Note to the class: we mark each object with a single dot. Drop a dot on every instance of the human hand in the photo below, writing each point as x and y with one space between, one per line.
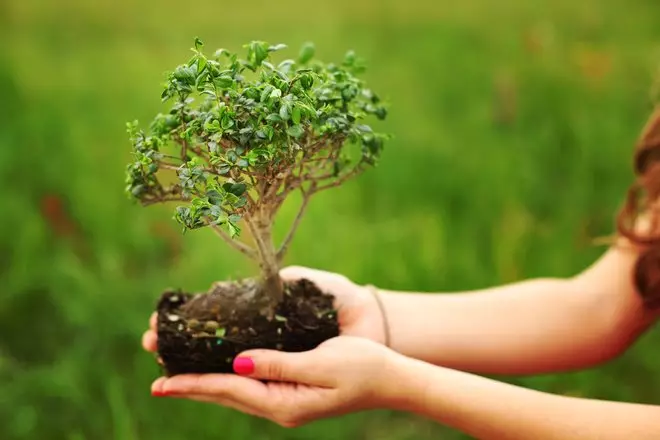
357 308
343 375
358 311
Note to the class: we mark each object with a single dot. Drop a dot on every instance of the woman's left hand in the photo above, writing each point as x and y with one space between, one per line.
342 375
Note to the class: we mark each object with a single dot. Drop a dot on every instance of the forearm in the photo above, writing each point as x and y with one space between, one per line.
487 409
532 327
521 328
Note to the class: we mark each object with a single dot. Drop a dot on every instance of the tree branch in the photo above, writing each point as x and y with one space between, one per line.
241 247
163 200
296 222
169 166
340 180
168 156
184 143
257 237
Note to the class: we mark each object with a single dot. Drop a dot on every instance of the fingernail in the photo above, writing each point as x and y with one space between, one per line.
243 365
158 394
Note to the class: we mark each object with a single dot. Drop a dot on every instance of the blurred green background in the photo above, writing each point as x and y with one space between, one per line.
514 123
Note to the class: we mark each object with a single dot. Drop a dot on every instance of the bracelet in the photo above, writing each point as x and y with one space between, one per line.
386 326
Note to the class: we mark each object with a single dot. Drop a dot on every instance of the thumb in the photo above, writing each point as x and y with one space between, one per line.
304 367
292 273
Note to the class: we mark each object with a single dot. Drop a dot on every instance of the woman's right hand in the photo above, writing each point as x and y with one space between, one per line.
357 308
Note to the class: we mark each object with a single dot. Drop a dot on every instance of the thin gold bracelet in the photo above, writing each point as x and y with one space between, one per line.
386 326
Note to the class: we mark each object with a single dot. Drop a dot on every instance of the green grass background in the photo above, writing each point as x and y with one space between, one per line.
514 123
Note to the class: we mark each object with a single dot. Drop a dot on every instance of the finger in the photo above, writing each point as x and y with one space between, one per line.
292 273
305 367
224 386
245 394
226 402
150 340
153 321
157 386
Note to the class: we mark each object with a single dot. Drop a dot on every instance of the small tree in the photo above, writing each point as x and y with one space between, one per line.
242 135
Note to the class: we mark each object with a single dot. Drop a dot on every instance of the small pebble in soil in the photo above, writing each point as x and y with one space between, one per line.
211 326
173 318
193 324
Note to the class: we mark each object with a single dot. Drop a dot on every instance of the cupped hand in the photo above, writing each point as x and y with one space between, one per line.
357 308
342 375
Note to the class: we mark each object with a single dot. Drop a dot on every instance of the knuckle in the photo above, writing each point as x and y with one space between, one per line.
275 371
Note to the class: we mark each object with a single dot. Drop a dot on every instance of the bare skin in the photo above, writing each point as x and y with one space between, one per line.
537 326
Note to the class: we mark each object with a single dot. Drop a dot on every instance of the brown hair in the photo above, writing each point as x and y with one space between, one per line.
643 200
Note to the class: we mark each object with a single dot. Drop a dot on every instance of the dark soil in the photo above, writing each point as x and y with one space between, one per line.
203 333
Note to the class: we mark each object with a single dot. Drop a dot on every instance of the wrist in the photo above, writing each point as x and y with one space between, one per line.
404 388
378 300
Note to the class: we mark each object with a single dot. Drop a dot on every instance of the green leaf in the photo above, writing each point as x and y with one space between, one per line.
220 332
295 115
234 188
224 81
286 65
201 65
185 74
167 94
265 94
227 122
306 80
259 52
270 132
214 197
306 53
277 47
349 58
233 229
218 53
280 318
211 125
276 93
295 130
285 112
198 43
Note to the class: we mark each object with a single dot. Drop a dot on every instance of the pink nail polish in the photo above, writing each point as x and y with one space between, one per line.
243 365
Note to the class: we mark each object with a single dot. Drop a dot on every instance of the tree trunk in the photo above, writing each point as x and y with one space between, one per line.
268 261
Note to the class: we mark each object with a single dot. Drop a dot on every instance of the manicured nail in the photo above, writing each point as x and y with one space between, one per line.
158 394
243 365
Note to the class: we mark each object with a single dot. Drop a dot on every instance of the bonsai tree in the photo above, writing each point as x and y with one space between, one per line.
240 137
